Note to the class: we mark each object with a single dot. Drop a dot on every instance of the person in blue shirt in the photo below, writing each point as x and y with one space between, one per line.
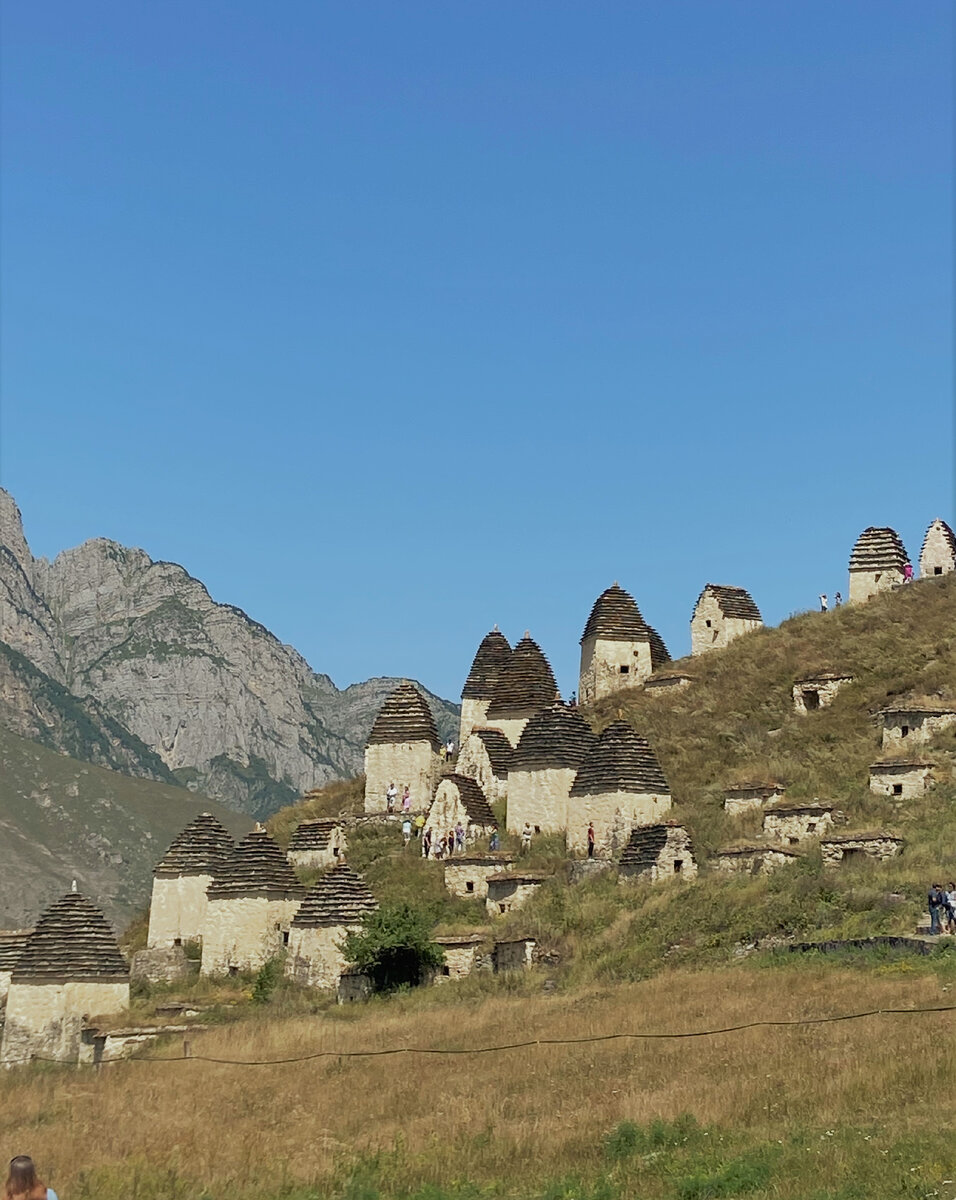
22 1182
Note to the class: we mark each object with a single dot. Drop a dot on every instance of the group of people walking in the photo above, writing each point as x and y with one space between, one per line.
942 909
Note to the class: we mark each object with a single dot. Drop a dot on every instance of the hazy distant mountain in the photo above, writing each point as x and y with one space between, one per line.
129 663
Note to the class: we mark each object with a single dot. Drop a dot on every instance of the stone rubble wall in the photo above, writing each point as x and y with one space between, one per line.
177 909
474 762
473 714
923 727
161 964
317 859
797 826
447 811
514 956
539 797
677 848
244 932
460 962
721 631
601 661
508 894
614 815
414 764
877 848
758 862
826 692
46 1019
914 781
864 584
458 875
315 958
739 803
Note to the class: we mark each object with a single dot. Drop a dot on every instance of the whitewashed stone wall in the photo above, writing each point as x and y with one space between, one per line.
608 667
460 959
741 800
754 861
864 584
711 630
904 729
936 557
515 955
315 958
825 691
460 872
473 713
879 849
244 932
511 726
912 781
414 764
177 909
46 1019
794 827
447 811
539 797
677 849
505 895
614 815
474 762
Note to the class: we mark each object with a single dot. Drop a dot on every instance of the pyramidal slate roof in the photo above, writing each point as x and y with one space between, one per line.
404 717
620 761
256 865
499 750
878 549
556 737
734 602
525 681
472 798
659 652
339 897
312 835
200 849
644 845
492 654
615 617
12 942
72 940
948 536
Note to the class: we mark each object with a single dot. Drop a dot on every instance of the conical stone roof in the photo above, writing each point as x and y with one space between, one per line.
473 799
878 549
339 897
312 835
200 849
12 942
645 844
659 652
499 750
949 538
557 737
620 761
404 717
526 681
72 940
734 602
615 617
493 653
256 865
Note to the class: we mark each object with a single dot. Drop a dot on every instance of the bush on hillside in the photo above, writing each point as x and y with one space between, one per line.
394 947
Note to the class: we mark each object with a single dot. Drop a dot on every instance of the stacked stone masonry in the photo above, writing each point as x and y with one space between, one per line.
752 860
877 846
817 691
402 749
795 823
511 890
525 686
902 779
915 725
316 844
877 563
938 556
177 909
722 613
459 801
619 650
467 875
333 907
486 756
476 695
619 785
658 852
748 796
12 942
461 956
667 685
552 747
69 967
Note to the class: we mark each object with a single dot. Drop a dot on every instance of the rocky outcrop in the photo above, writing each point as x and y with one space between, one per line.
224 705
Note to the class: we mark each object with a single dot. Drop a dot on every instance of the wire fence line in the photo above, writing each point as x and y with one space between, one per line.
529 1043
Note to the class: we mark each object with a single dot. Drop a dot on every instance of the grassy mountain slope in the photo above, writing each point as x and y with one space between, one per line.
61 819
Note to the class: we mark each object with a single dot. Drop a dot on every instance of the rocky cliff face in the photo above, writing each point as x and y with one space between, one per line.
226 707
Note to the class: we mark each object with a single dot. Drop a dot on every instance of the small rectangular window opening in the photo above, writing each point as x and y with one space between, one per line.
678 865
285 937
625 669
708 624
811 699
177 941
904 730
469 885
446 970
537 828
793 841
811 827
897 789
502 908
937 570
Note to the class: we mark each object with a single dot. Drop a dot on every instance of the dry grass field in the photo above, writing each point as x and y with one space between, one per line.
836 1111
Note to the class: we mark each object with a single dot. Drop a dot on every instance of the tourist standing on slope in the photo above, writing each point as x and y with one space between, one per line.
824 603
22 1182
526 838
390 797
590 839
937 906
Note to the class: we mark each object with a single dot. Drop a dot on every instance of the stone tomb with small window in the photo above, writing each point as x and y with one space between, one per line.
908 725
856 847
817 691
462 955
667 685
509 890
793 823
938 556
317 843
753 859
747 796
333 907
658 852
877 563
402 749
722 613
467 875
177 908
901 779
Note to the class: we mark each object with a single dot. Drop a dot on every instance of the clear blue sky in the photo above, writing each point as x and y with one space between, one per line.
392 321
